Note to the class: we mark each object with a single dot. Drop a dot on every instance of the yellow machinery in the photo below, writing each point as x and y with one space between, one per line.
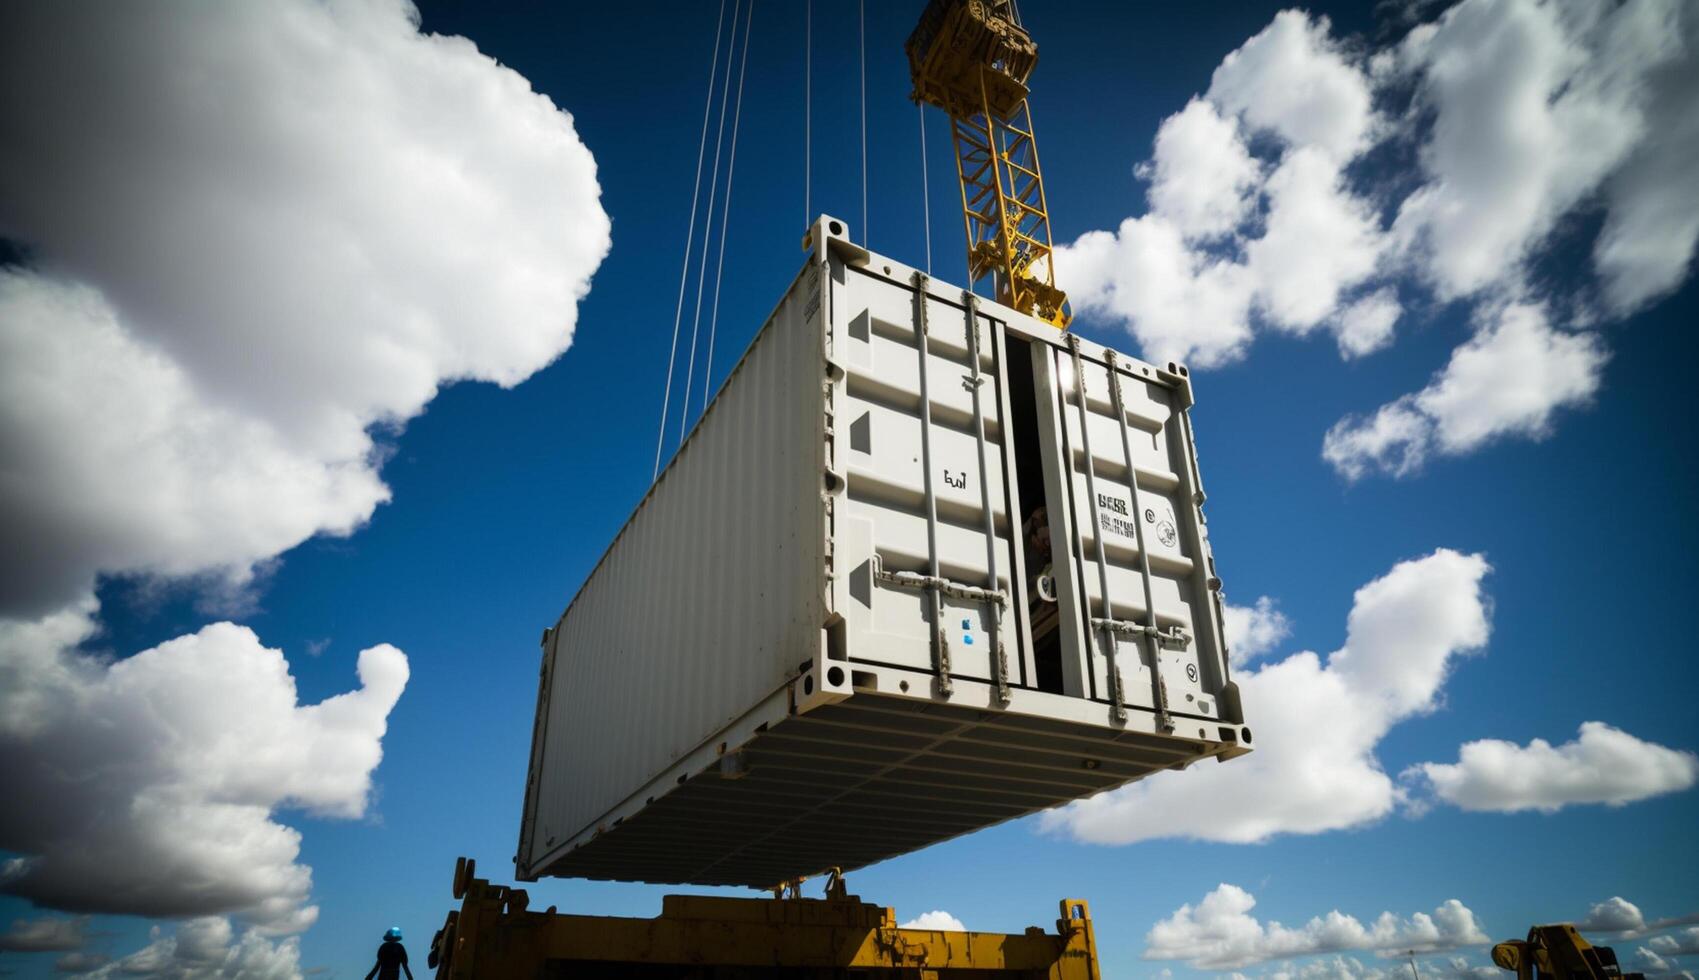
708 938
1558 952
971 58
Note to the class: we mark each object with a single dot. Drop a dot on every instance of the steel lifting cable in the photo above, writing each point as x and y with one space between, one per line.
689 238
725 209
807 113
708 226
862 15
925 187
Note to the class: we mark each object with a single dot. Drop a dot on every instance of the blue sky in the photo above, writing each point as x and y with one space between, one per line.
501 499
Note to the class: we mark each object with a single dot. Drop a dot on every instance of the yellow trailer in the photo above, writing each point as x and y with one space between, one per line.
494 934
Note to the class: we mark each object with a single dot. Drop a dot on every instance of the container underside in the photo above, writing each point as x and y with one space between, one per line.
868 778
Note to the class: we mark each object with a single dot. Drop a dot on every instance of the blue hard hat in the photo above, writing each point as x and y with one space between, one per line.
394 934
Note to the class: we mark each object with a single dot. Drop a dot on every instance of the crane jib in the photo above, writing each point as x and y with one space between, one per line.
972 59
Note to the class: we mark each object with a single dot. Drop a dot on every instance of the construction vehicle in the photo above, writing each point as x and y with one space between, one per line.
972 59
494 934
1558 952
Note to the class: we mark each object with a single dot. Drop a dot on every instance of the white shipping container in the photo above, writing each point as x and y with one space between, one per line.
863 609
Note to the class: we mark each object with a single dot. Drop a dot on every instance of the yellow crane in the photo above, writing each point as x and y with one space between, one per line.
1559 952
972 58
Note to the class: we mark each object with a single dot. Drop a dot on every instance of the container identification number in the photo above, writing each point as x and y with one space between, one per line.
1112 516
1118 525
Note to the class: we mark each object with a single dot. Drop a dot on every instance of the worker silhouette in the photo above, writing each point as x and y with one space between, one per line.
392 958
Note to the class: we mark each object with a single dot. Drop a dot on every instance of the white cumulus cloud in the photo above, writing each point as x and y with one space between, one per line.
1229 239
936 920
1366 325
1337 967
121 464
1190 277
1646 246
271 227
1220 933
208 948
153 780
1202 175
1651 962
1318 721
1254 630
1294 79
1534 105
1614 914
1326 968
1182 304
80 962
1318 241
1460 968
44 935
1279 200
1511 378
254 235
1602 765
1683 943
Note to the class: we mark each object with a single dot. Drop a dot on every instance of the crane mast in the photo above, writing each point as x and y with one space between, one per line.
972 58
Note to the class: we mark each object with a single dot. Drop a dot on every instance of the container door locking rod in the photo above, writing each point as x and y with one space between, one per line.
940 641
949 587
1118 708
973 382
1155 639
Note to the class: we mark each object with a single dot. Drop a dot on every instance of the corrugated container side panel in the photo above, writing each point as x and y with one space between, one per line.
708 598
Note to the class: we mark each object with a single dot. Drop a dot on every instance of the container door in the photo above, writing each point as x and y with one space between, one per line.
925 570
1136 592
